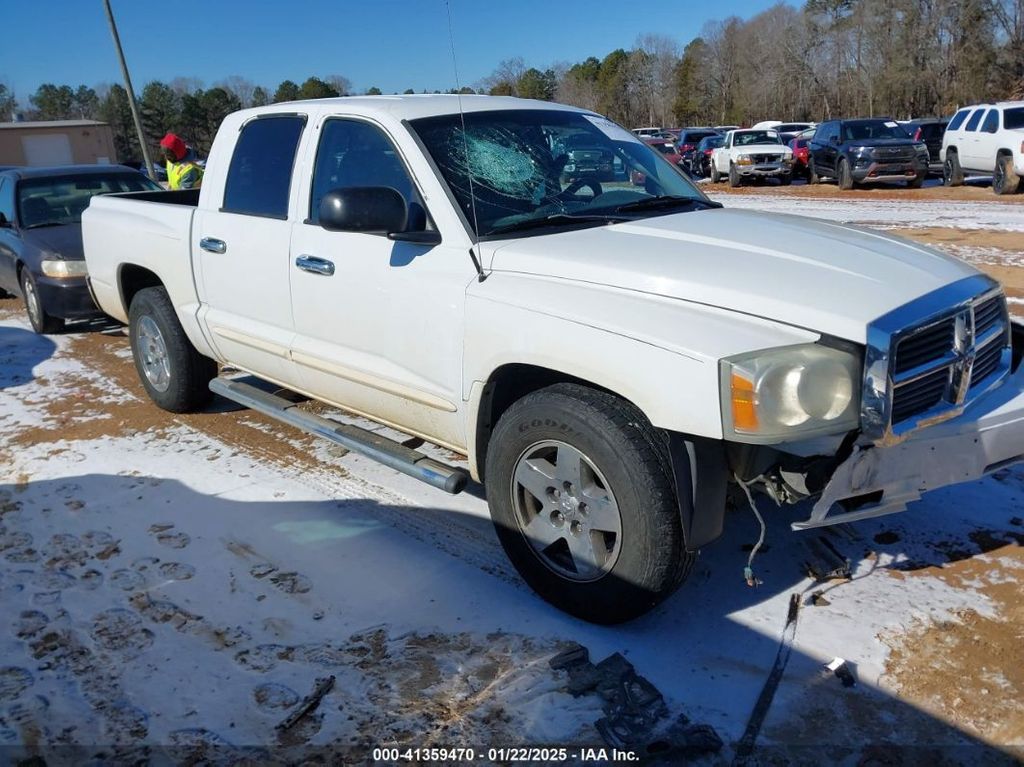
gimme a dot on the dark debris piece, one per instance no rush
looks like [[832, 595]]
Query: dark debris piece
[[826, 562], [818, 599], [636, 716]]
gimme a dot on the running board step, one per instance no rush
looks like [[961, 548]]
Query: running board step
[[388, 452]]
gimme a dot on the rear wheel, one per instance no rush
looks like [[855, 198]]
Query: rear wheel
[[175, 376], [1005, 180], [952, 173], [812, 173], [582, 498], [844, 176], [41, 321]]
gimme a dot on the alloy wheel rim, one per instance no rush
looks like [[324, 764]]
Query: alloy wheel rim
[[153, 354], [32, 303], [566, 511]]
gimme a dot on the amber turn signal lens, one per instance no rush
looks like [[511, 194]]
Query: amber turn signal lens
[[744, 405]]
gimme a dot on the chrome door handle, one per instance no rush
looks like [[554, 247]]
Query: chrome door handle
[[213, 245], [315, 265]]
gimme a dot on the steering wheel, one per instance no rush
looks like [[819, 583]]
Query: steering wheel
[[575, 186]]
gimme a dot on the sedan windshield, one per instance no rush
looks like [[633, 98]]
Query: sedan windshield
[[58, 200], [519, 170]]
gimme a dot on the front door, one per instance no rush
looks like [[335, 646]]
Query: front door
[[241, 249], [378, 323]]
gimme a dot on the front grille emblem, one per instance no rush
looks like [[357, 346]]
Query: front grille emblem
[[964, 353]]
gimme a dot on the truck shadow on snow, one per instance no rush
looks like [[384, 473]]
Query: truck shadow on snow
[[102, 572], [20, 351]]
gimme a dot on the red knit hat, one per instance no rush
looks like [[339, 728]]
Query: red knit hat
[[175, 144]]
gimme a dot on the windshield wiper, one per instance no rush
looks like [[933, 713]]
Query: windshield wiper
[[666, 201], [556, 219]]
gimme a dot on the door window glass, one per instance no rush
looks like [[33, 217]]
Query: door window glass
[[972, 124], [353, 153], [991, 124], [260, 174]]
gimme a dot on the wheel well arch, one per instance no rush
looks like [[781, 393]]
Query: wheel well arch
[[131, 279], [509, 383], [1004, 152]]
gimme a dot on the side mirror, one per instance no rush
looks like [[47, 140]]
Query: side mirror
[[4, 223], [370, 209], [834, 139]]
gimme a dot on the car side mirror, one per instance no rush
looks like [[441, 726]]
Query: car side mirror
[[4, 223], [834, 139], [369, 209]]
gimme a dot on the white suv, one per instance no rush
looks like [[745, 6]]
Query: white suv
[[986, 139]]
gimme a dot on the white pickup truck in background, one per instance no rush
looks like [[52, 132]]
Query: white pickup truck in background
[[610, 359], [750, 154]]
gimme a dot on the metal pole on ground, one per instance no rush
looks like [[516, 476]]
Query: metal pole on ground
[[131, 91]]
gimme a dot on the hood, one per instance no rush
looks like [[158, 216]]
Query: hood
[[762, 148], [882, 142], [64, 240], [805, 272]]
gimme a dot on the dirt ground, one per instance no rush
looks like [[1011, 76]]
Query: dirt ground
[[972, 191], [967, 671]]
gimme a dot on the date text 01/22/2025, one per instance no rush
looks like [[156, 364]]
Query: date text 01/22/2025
[[503, 754]]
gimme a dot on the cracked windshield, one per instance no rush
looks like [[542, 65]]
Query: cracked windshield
[[525, 169]]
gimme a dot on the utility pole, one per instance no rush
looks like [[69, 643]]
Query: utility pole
[[131, 91]]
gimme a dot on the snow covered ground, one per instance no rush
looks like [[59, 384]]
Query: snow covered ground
[[885, 213], [169, 589]]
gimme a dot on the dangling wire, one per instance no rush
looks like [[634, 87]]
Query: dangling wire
[[748, 571], [465, 147]]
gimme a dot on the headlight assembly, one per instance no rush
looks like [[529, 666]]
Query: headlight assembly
[[61, 269], [794, 392], [744, 159]]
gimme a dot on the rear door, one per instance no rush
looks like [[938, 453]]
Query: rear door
[[240, 247], [970, 151], [988, 141]]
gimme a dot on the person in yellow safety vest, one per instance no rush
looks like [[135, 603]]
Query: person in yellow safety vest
[[182, 170]]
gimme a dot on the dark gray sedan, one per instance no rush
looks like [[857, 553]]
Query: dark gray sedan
[[41, 236]]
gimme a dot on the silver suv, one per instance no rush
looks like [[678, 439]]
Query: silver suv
[[987, 139]]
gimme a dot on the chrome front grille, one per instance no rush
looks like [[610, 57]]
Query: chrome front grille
[[926, 361]]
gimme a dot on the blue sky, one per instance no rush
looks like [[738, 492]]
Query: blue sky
[[392, 44]]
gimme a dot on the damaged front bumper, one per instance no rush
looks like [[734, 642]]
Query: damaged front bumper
[[875, 480]]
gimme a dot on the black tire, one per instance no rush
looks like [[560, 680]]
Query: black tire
[[812, 174], [917, 181], [42, 322], [786, 179], [179, 376], [715, 175], [844, 178], [649, 561], [952, 173], [734, 176], [1005, 180]]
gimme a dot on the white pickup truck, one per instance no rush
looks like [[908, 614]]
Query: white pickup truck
[[610, 359], [749, 154]]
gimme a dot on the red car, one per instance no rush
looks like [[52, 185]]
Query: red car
[[667, 148], [801, 152]]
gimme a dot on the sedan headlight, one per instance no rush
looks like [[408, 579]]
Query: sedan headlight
[[61, 269], [779, 395]]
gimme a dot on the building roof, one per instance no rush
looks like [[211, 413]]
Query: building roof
[[51, 124]]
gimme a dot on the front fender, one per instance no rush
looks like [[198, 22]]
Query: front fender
[[659, 353]]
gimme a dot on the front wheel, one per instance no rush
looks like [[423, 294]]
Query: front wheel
[[583, 503], [734, 176], [786, 179], [812, 174], [715, 175], [917, 181], [42, 322], [952, 173], [175, 376], [844, 176]]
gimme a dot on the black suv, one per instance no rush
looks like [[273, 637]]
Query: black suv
[[867, 149]]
